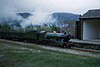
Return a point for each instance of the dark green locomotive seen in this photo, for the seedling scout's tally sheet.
(56, 39)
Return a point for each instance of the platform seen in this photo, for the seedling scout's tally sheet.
(91, 42)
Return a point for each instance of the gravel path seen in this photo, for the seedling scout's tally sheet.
(71, 51)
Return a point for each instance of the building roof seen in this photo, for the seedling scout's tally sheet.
(92, 14)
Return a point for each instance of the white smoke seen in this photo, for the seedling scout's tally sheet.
(9, 9)
(39, 18)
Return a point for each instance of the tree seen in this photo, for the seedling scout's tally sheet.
(5, 27)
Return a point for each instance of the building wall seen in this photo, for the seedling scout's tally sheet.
(99, 29)
(78, 30)
(91, 29)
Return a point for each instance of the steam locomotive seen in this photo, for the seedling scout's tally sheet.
(45, 38)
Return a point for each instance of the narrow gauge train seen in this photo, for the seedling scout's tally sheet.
(56, 39)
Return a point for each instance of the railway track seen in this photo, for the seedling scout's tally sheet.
(73, 50)
(86, 50)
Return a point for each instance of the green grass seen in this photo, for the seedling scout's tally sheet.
(15, 55)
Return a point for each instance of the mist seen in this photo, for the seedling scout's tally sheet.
(42, 9)
(38, 18)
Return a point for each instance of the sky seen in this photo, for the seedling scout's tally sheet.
(73, 6)
(8, 8)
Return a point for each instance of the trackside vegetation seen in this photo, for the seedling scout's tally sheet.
(16, 55)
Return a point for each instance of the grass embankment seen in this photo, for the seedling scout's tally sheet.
(16, 55)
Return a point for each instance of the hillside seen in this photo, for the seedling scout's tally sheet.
(57, 15)
(66, 16)
(24, 15)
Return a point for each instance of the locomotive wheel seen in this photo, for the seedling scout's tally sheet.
(64, 45)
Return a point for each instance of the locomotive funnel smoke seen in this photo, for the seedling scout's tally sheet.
(9, 9)
(38, 18)
(41, 10)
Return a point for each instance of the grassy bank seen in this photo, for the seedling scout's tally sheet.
(16, 55)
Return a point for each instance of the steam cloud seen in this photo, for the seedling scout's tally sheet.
(9, 9)
(42, 9)
(38, 18)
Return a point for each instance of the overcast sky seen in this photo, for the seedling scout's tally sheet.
(73, 6)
